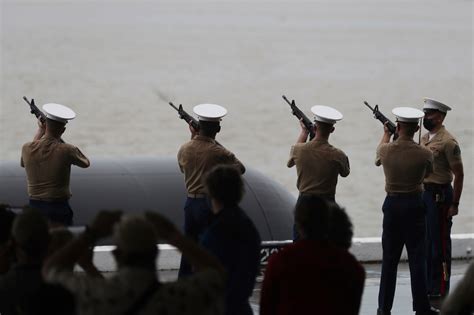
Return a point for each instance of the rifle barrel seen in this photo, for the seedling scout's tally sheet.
(284, 97)
(369, 106)
(173, 106)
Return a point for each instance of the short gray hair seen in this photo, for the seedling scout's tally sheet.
(135, 235)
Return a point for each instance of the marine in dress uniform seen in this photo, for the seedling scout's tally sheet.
(318, 163)
(405, 165)
(195, 159)
(441, 199)
(47, 161)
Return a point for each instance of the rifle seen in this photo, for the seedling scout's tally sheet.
(185, 116)
(302, 117)
(392, 128)
(35, 110)
(39, 114)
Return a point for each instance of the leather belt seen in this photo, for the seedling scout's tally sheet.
(404, 194)
(196, 196)
(330, 197)
(433, 186)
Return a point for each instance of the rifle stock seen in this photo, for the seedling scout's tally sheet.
(301, 116)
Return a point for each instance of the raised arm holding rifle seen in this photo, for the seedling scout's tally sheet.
(35, 110)
(40, 116)
(392, 128)
(192, 122)
(302, 118)
(47, 161)
(318, 163)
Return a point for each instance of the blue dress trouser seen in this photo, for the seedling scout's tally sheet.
(438, 199)
(403, 225)
(58, 212)
(197, 214)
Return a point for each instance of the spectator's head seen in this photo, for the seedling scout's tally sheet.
(318, 219)
(224, 184)
(30, 236)
(136, 242)
(6, 221)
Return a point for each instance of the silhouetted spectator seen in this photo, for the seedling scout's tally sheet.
(232, 237)
(61, 236)
(6, 222)
(23, 281)
(317, 274)
(135, 288)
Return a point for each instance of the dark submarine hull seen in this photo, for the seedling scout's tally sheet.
(137, 184)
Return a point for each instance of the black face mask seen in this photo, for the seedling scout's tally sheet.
(429, 124)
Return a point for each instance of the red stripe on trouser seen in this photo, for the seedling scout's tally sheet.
(443, 221)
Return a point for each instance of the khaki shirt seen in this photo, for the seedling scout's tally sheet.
(48, 167)
(198, 156)
(318, 165)
(405, 164)
(446, 153)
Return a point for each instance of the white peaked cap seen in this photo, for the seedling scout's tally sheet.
(436, 105)
(407, 114)
(326, 114)
(58, 112)
(209, 112)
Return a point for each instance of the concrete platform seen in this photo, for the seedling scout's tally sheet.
(366, 250)
(403, 301)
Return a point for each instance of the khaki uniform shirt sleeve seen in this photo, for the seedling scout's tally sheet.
(230, 159)
(78, 158)
(22, 162)
(379, 154)
(179, 157)
(291, 161)
(345, 167)
(453, 152)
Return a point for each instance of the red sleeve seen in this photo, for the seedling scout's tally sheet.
(269, 295)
